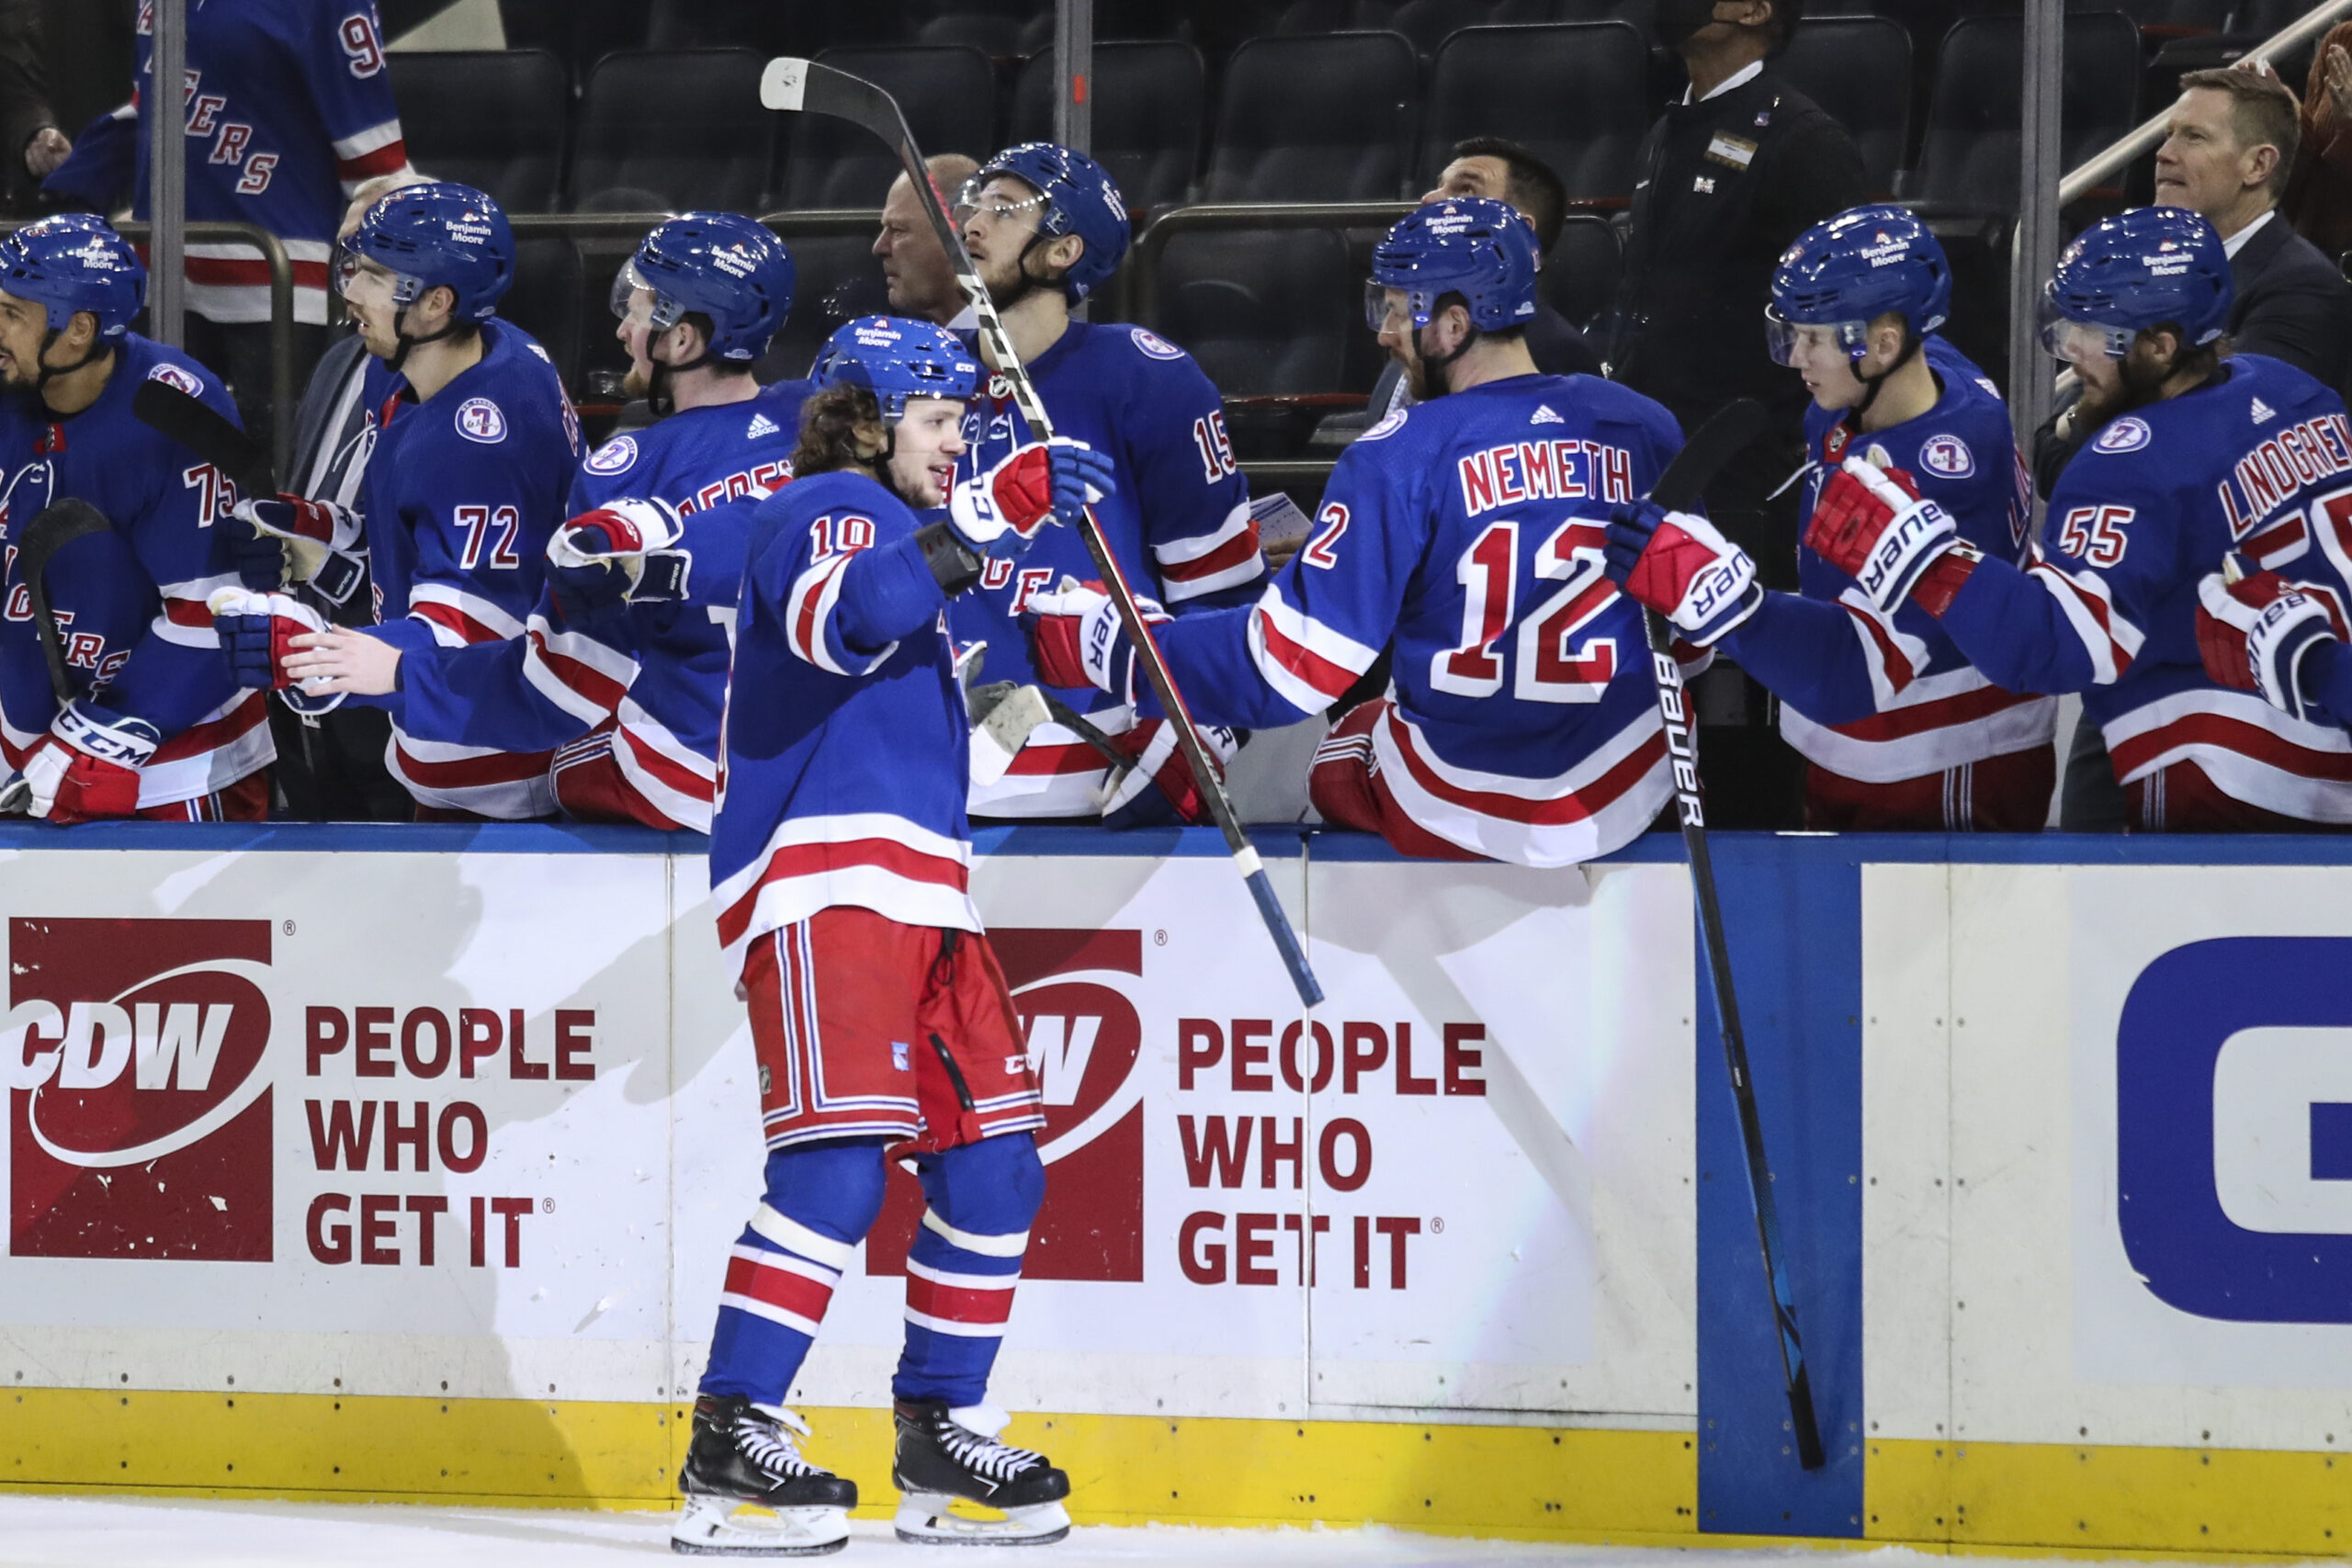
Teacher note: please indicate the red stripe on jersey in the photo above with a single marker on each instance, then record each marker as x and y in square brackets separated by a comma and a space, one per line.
[1892, 658]
[808, 633]
[1331, 680]
[1037, 760]
[2225, 734]
[585, 679]
[666, 769]
[188, 612]
[489, 768]
[388, 159]
[2285, 537]
[457, 620]
[795, 1294]
[2060, 582]
[817, 860]
[959, 1304]
[197, 740]
[1574, 806]
[1224, 558]
[1944, 712]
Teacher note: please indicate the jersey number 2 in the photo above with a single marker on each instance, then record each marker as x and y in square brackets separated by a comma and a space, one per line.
[1549, 667]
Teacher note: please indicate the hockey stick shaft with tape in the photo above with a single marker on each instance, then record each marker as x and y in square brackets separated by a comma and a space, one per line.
[804, 86]
[1703, 456]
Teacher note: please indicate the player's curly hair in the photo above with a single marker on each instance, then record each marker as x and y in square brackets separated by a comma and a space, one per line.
[841, 427]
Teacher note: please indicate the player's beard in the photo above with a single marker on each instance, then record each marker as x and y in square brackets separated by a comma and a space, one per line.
[2140, 382]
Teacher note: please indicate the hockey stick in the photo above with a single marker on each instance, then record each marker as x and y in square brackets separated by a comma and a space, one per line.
[57, 525]
[804, 86]
[205, 432]
[1700, 461]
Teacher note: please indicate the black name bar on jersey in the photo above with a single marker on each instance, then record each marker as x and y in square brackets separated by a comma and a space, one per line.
[2271, 474]
[1544, 470]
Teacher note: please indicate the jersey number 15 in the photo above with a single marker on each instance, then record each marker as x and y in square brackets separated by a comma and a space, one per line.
[1549, 665]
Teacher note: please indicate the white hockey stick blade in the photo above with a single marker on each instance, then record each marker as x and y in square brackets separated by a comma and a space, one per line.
[783, 83]
[923, 1520]
[1003, 729]
[709, 1527]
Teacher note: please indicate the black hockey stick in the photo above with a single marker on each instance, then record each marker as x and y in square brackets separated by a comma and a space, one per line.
[207, 433]
[804, 86]
[57, 525]
[1694, 466]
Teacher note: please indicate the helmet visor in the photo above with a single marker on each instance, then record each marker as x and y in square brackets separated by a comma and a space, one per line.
[370, 284]
[2073, 342]
[1797, 344]
[973, 201]
[641, 304]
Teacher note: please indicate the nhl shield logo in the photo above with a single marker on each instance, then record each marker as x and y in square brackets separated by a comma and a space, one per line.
[1948, 455]
[479, 419]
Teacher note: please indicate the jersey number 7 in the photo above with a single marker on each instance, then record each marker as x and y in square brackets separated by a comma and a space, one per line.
[1549, 667]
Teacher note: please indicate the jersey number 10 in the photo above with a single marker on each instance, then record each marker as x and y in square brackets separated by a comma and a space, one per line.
[1548, 666]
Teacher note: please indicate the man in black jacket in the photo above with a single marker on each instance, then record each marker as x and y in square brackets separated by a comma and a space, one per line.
[1726, 181]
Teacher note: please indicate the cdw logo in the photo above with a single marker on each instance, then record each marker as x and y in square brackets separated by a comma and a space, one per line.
[132, 1052]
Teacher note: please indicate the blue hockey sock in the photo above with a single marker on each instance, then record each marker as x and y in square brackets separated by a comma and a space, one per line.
[821, 1199]
[964, 1263]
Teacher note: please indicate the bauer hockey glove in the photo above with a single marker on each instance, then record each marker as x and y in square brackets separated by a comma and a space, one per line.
[255, 631]
[1000, 513]
[293, 538]
[1157, 788]
[1873, 525]
[1076, 640]
[2252, 634]
[86, 768]
[1679, 565]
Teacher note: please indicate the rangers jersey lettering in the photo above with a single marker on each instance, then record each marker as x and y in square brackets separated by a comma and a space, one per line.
[1179, 526]
[462, 494]
[1877, 698]
[654, 675]
[130, 602]
[1468, 530]
[2257, 460]
[845, 742]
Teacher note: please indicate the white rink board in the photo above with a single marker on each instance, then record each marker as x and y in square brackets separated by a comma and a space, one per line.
[1494, 1175]
[2003, 1303]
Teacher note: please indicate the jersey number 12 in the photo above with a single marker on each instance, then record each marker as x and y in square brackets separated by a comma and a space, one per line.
[1548, 666]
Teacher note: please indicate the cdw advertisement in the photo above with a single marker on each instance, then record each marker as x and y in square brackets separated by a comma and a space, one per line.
[486, 1124]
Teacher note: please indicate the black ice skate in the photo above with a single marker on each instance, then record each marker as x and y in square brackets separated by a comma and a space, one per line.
[742, 1454]
[945, 1455]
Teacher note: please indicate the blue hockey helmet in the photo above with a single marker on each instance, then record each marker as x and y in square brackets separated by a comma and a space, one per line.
[1845, 272]
[897, 358]
[438, 236]
[1074, 197]
[75, 262]
[2122, 275]
[719, 264]
[1470, 245]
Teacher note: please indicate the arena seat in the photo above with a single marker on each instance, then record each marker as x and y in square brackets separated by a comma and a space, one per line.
[1335, 15]
[490, 119]
[1858, 68]
[1580, 274]
[1968, 159]
[1315, 119]
[1428, 23]
[709, 147]
[1150, 108]
[837, 280]
[548, 300]
[948, 93]
[1268, 314]
[1575, 94]
[1642, 14]
[991, 32]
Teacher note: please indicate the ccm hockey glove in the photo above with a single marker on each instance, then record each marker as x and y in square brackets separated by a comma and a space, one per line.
[86, 768]
[2253, 634]
[1679, 565]
[1000, 513]
[1872, 524]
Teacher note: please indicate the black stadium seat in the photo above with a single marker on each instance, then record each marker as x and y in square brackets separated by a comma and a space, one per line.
[1335, 15]
[547, 300]
[490, 119]
[1968, 159]
[1150, 108]
[1575, 95]
[1315, 119]
[1858, 68]
[1264, 311]
[708, 147]
[836, 279]
[1580, 274]
[948, 93]
[1428, 23]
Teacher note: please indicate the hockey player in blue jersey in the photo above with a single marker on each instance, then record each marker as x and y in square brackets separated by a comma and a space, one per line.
[155, 727]
[1045, 227]
[623, 667]
[1901, 732]
[1522, 724]
[2196, 458]
[839, 868]
[475, 445]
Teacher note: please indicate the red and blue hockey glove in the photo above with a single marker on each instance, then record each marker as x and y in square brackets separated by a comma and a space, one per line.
[620, 553]
[1873, 525]
[1679, 565]
[293, 538]
[2254, 633]
[1158, 788]
[86, 768]
[1076, 640]
[1000, 513]
[255, 631]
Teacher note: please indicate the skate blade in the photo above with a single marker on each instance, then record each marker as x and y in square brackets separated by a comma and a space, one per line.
[925, 1518]
[710, 1527]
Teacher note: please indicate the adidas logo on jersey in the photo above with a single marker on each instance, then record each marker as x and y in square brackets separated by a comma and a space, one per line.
[1543, 415]
[2263, 412]
[761, 426]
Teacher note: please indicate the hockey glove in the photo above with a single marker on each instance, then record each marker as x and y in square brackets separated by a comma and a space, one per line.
[1000, 513]
[254, 629]
[1679, 565]
[2252, 634]
[1076, 640]
[86, 768]
[1158, 788]
[616, 554]
[1872, 524]
[293, 538]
